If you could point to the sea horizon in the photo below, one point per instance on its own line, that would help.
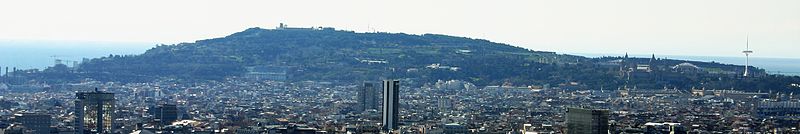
(42, 54)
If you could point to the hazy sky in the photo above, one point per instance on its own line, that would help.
(674, 27)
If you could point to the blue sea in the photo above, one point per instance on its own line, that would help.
(785, 66)
(42, 54)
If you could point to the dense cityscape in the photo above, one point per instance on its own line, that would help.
(400, 67)
(271, 99)
(265, 105)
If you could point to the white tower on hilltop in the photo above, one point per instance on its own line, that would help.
(747, 53)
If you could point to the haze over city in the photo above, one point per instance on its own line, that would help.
(682, 27)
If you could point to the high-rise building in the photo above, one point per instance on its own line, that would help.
(367, 97)
(94, 112)
(587, 121)
(33, 122)
(165, 114)
(444, 104)
(391, 91)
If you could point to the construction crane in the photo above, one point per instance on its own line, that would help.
(58, 59)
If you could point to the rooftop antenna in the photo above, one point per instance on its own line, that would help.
(370, 29)
(747, 53)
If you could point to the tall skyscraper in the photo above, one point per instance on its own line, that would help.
(391, 91)
(587, 121)
(94, 112)
(367, 97)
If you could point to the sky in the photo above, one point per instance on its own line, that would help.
(674, 27)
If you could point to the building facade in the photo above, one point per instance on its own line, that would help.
(587, 121)
(367, 97)
(94, 112)
(36, 123)
(781, 110)
(165, 114)
(391, 91)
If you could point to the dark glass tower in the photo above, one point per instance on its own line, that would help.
(367, 97)
(165, 114)
(94, 112)
(391, 91)
(587, 121)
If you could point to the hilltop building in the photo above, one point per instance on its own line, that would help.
(261, 73)
(282, 26)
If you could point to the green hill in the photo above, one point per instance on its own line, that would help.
(345, 56)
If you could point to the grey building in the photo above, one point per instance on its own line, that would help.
(587, 121)
(391, 91)
(33, 122)
(165, 114)
(454, 128)
(94, 112)
(367, 97)
(781, 110)
(260, 73)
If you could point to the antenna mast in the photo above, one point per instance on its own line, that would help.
(747, 53)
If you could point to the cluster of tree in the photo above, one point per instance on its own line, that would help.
(349, 56)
